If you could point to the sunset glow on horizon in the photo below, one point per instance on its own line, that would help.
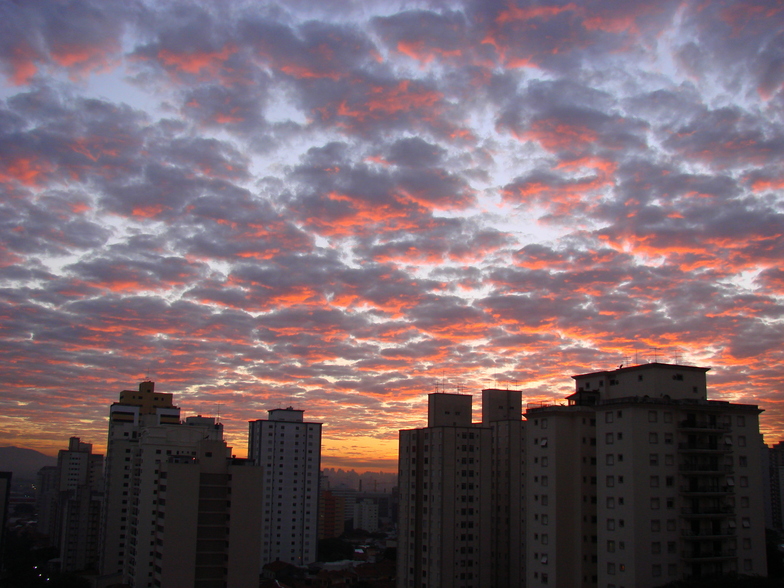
(342, 206)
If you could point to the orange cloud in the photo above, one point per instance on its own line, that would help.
(202, 63)
(25, 170)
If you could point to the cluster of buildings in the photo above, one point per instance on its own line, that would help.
(173, 507)
(637, 480)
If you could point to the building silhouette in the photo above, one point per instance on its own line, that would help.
(289, 450)
(208, 519)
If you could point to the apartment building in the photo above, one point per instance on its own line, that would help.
(289, 450)
(670, 483)
(445, 485)
(79, 497)
(144, 431)
(134, 410)
(502, 413)
(207, 522)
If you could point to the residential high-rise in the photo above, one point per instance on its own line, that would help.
(637, 479)
(502, 411)
(134, 411)
(289, 450)
(144, 430)
(444, 537)
(775, 457)
(672, 481)
(207, 519)
(79, 500)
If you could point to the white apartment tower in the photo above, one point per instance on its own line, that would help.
(289, 450)
(646, 481)
(445, 488)
(144, 430)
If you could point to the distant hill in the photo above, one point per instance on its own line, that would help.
(24, 463)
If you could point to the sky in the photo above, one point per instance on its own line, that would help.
(343, 206)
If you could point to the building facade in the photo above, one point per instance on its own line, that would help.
(444, 537)
(670, 482)
(207, 523)
(144, 431)
(289, 450)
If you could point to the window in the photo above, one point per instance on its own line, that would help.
(609, 459)
(652, 416)
(744, 482)
(655, 525)
(610, 546)
(669, 459)
(653, 459)
(610, 502)
(608, 417)
(669, 481)
(544, 423)
(611, 524)
(654, 481)
(656, 570)
(654, 503)
(610, 481)
(610, 568)
(608, 438)
(668, 438)
(741, 441)
(741, 421)
(653, 437)
(656, 547)
(742, 461)
(746, 522)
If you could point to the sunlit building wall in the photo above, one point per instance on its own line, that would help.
(675, 490)
(289, 450)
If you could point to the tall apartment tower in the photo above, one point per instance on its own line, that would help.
(144, 430)
(289, 450)
(445, 487)
(502, 412)
(775, 456)
(561, 497)
(208, 519)
(674, 492)
(78, 506)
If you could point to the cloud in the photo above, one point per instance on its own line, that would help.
(342, 205)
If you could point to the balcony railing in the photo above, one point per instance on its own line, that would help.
(707, 510)
(707, 490)
(707, 534)
(705, 467)
(703, 425)
(705, 447)
(710, 554)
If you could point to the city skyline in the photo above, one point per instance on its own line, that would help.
(344, 206)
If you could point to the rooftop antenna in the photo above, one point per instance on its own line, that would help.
(219, 413)
(655, 355)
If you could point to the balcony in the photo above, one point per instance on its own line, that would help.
(708, 555)
(705, 447)
(707, 490)
(705, 468)
(707, 511)
(703, 425)
(708, 534)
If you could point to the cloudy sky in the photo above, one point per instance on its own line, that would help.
(345, 205)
